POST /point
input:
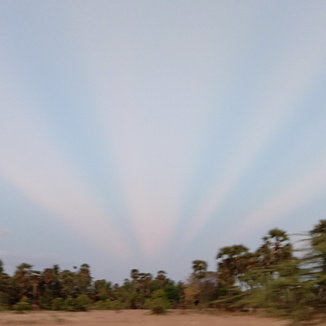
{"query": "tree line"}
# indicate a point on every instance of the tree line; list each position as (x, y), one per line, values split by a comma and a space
(274, 277)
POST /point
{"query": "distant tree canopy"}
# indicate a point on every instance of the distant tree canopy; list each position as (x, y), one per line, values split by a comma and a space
(270, 277)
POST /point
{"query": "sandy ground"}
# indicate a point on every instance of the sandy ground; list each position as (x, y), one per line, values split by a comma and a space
(134, 318)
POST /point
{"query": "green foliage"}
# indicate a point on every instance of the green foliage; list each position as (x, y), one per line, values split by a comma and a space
(283, 285)
(82, 302)
(199, 268)
(159, 297)
(137, 301)
(158, 307)
(232, 263)
(286, 295)
(158, 302)
(69, 304)
(83, 279)
(229, 299)
(288, 298)
(103, 305)
(172, 292)
(45, 300)
(116, 305)
(22, 306)
(191, 294)
(159, 294)
(58, 304)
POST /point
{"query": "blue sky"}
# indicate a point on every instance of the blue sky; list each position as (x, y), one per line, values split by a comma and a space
(147, 134)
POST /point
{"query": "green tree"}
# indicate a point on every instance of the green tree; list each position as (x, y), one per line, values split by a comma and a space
(102, 290)
(173, 292)
(6, 290)
(199, 268)
(67, 283)
(232, 262)
(276, 247)
(315, 262)
(83, 279)
(161, 277)
(23, 281)
(191, 293)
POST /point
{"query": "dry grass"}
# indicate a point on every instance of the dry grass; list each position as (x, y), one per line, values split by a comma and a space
(135, 318)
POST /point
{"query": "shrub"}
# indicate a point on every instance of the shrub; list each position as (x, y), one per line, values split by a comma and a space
(137, 301)
(3, 307)
(158, 309)
(148, 304)
(159, 306)
(69, 304)
(159, 298)
(45, 300)
(22, 306)
(103, 305)
(82, 303)
(58, 304)
(116, 305)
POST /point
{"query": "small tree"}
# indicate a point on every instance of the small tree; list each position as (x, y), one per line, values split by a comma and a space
(82, 303)
(191, 293)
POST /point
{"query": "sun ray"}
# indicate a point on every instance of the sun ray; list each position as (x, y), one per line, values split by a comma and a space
(281, 91)
(32, 162)
(295, 195)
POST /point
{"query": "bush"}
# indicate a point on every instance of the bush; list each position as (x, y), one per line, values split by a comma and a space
(103, 305)
(58, 304)
(22, 306)
(159, 302)
(158, 309)
(159, 306)
(82, 303)
(116, 305)
(45, 300)
(148, 304)
(69, 304)
(137, 301)
(3, 307)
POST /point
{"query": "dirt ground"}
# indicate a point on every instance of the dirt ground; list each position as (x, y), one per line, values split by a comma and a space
(134, 318)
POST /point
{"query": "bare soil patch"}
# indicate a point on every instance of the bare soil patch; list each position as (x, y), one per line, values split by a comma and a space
(134, 318)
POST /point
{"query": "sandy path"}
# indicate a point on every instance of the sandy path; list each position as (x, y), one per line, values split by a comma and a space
(133, 318)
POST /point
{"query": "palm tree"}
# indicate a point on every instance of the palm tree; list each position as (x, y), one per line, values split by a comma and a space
(276, 247)
(5, 287)
(199, 268)
(232, 262)
(23, 281)
(161, 277)
(83, 279)
(35, 280)
(134, 273)
(67, 283)
(316, 262)
(318, 241)
(144, 280)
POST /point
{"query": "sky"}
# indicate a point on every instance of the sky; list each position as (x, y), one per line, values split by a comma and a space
(147, 134)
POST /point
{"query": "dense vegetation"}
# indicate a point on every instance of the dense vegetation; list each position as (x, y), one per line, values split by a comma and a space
(272, 278)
